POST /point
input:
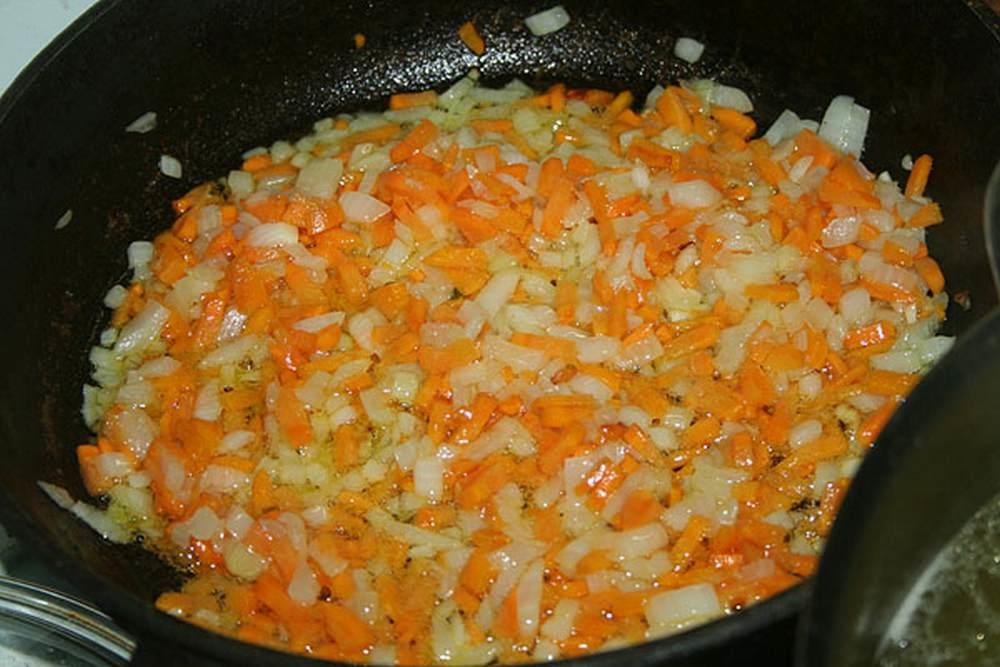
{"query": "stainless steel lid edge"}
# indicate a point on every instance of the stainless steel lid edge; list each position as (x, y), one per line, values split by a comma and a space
(64, 615)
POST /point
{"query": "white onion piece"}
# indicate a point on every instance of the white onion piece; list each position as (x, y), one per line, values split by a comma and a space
(694, 194)
(140, 253)
(359, 207)
(143, 124)
(158, 367)
(497, 292)
(320, 178)
(238, 522)
(273, 235)
(99, 520)
(143, 329)
(171, 166)
(688, 49)
(845, 124)
(242, 562)
(113, 465)
(597, 349)
(728, 96)
(64, 219)
(785, 126)
(841, 232)
(137, 430)
(57, 494)
(550, 20)
(640, 541)
(804, 432)
(235, 441)
(207, 405)
(317, 323)
(204, 524)
(679, 607)
(428, 477)
(529, 599)
(232, 352)
(856, 306)
(303, 588)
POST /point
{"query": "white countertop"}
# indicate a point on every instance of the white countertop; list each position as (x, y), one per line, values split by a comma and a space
(26, 26)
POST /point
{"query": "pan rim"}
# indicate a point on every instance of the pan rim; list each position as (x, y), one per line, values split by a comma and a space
(137, 616)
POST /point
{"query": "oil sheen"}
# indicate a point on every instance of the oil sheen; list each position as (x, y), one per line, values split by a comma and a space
(952, 616)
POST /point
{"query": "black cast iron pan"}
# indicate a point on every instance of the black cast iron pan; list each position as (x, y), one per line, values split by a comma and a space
(935, 465)
(224, 76)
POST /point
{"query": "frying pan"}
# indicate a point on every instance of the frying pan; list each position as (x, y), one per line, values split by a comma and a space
(224, 76)
(901, 512)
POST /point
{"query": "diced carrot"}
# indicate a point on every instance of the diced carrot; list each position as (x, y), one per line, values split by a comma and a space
(919, 174)
(877, 334)
(409, 100)
(738, 123)
(349, 632)
(927, 215)
(292, 417)
(471, 38)
(929, 270)
(780, 293)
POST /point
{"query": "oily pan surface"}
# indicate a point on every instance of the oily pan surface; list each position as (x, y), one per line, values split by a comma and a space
(220, 83)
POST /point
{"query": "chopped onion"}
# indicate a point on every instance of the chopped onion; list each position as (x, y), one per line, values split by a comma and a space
(303, 587)
(550, 20)
(223, 479)
(428, 477)
(359, 207)
(841, 232)
(137, 430)
(207, 405)
(140, 254)
(143, 124)
(320, 178)
(559, 624)
(845, 124)
(688, 49)
(856, 307)
(640, 541)
(804, 432)
(597, 349)
(682, 606)
(235, 441)
(317, 323)
(233, 352)
(64, 219)
(498, 291)
(143, 329)
(785, 126)
(171, 166)
(382, 520)
(529, 599)
(273, 235)
(728, 96)
(694, 194)
(99, 520)
(242, 562)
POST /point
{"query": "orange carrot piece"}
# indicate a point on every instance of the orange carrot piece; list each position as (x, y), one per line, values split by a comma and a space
(292, 417)
(471, 38)
(929, 270)
(927, 215)
(780, 293)
(876, 334)
(738, 123)
(919, 174)
(349, 632)
(409, 100)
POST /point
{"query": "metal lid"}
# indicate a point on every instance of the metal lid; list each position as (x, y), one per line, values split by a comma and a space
(40, 626)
